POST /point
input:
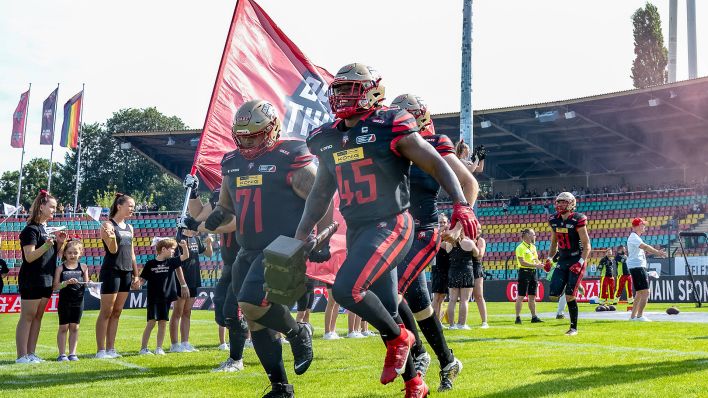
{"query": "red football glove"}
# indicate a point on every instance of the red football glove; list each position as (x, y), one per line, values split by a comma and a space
(465, 215)
(577, 268)
(547, 265)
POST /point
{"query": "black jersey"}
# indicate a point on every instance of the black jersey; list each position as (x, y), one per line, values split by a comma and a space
(372, 177)
(260, 190)
(74, 293)
(609, 265)
(424, 188)
(40, 272)
(567, 236)
(621, 260)
(122, 260)
(227, 241)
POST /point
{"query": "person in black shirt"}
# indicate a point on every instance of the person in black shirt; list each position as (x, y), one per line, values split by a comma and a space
(440, 268)
(3, 271)
(160, 274)
(119, 273)
(182, 309)
(70, 276)
(607, 278)
(39, 259)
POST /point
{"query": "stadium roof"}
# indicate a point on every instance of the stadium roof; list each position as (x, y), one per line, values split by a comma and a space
(661, 127)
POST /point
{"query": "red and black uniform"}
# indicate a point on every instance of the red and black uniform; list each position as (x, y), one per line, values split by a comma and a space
(625, 278)
(569, 250)
(225, 302)
(373, 184)
(607, 279)
(424, 210)
(265, 206)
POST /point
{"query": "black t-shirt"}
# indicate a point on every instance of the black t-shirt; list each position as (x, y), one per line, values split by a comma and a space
(424, 188)
(190, 267)
(371, 176)
(72, 294)
(40, 272)
(161, 279)
(261, 193)
(569, 244)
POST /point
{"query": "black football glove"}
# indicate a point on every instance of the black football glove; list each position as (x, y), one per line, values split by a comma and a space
(321, 255)
(191, 224)
(215, 219)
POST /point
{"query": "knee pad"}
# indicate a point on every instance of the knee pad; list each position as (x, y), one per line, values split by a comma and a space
(423, 314)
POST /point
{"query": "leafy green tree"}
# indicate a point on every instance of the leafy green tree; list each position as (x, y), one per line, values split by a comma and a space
(34, 178)
(649, 66)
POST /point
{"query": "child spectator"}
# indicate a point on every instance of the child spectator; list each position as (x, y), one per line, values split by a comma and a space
(160, 273)
(71, 277)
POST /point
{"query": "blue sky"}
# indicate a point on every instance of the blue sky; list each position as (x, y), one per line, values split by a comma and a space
(165, 53)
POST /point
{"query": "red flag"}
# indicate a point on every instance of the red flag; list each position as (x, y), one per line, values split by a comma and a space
(259, 62)
(17, 140)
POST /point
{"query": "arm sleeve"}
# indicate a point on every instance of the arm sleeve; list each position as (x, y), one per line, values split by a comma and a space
(582, 221)
(300, 156)
(444, 146)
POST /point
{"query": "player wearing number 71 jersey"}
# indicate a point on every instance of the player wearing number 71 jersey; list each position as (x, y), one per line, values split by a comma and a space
(571, 241)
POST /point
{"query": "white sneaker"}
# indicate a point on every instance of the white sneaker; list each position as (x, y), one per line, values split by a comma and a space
(34, 358)
(102, 355)
(248, 344)
(24, 359)
(484, 325)
(633, 319)
(453, 327)
(368, 333)
(464, 327)
(159, 351)
(113, 354)
(224, 347)
(145, 351)
(62, 358)
(188, 347)
(176, 347)
(330, 336)
(643, 319)
(229, 365)
(355, 335)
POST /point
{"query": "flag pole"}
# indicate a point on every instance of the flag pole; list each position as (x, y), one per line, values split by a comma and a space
(24, 141)
(78, 154)
(51, 154)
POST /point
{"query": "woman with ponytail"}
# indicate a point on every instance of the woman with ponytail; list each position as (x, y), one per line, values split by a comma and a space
(39, 259)
(118, 273)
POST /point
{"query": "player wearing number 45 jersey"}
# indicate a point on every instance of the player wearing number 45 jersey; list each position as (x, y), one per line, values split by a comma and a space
(365, 155)
(264, 185)
(571, 241)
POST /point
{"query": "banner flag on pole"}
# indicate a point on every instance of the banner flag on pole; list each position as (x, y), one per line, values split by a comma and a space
(17, 140)
(8, 210)
(259, 62)
(46, 136)
(94, 212)
(72, 119)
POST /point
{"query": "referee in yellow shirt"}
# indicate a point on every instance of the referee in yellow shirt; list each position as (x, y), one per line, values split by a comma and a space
(527, 261)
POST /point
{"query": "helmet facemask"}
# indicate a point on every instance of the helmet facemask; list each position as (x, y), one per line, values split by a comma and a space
(355, 90)
(565, 202)
(255, 119)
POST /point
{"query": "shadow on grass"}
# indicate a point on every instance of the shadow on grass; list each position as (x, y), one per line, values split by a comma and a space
(699, 338)
(12, 382)
(570, 380)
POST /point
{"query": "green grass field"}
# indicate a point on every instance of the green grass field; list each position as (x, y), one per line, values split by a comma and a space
(607, 358)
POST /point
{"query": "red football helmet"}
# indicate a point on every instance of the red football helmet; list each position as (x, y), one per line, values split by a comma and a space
(565, 202)
(416, 107)
(254, 119)
(355, 90)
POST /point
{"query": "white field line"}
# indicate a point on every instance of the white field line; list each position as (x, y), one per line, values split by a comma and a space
(595, 347)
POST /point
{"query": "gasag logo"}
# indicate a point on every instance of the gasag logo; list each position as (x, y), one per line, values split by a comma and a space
(366, 139)
(267, 168)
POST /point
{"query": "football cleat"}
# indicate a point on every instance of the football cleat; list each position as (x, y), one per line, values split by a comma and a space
(560, 316)
(416, 388)
(518, 320)
(280, 390)
(301, 346)
(536, 319)
(448, 374)
(230, 365)
(421, 363)
(571, 332)
(397, 351)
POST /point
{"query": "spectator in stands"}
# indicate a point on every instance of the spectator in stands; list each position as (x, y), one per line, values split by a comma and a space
(39, 258)
(70, 276)
(60, 210)
(68, 210)
(163, 274)
(79, 209)
(119, 273)
(182, 309)
(505, 208)
(527, 262)
(637, 264)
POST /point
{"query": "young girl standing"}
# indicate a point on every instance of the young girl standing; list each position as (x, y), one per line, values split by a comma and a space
(70, 277)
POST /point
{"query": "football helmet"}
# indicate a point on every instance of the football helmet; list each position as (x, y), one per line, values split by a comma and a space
(255, 118)
(416, 107)
(563, 208)
(356, 89)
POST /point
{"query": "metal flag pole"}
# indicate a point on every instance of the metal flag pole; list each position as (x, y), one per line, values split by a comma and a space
(466, 116)
(51, 155)
(24, 141)
(78, 154)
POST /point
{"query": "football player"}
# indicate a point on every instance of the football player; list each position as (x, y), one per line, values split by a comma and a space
(365, 155)
(412, 284)
(571, 241)
(264, 186)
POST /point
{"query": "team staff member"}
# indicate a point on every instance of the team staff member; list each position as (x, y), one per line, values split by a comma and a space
(527, 262)
(570, 239)
(226, 311)
(607, 280)
(625, 279)
(365, 155)
(637, 264)
(39, 259)
(118, 273)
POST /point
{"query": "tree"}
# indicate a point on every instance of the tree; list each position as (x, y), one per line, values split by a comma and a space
(649, 66)
(34, 178)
